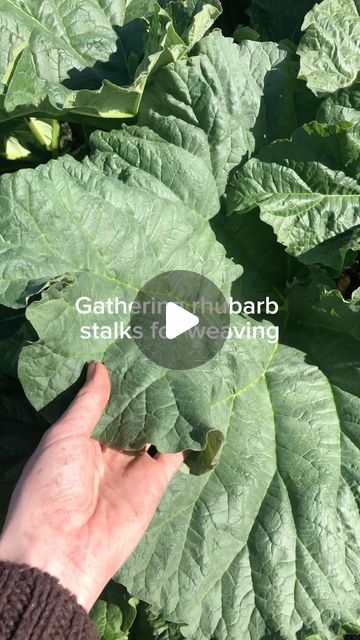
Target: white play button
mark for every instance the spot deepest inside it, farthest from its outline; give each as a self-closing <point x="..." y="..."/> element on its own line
<point x="168" y="334"/>
<point x="178" y="320"/>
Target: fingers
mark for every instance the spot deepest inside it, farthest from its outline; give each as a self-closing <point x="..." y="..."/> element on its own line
<point x="170" y="463"/>
<point x="151" y="477"/>
<point x="86" y="410"/>
<point x="155" y="473"/>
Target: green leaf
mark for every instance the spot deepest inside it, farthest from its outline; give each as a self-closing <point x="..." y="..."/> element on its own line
<point x="245" y="33"/>
<point x="145" y="399"/>
<point x="129" y="178"/>
<point x="242" y="97"/>
<point x="145" y="160"/>
<point x="93" y="60"/>
<point x="212" y="113"/>
<point x="267" y="543"/>
<point x="313" y="301"/>
<point x="114" y="613"/>
<point x="101" y="229"/>
<point x="337" y="146"/>
<point x="279" y="19"/>
<point x="306" y="191"/>
<point x="268" y="269"/>
<point x="29" y="139"/>
<point x="330" y="48"/>
<point x="343" y="106"/>
<point x="150" y="625"/>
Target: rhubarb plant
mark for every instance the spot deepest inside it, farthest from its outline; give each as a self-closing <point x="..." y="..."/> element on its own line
<point x="237" y="159"/>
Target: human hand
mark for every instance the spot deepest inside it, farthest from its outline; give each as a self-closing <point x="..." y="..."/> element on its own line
<point x="80" y="508"/>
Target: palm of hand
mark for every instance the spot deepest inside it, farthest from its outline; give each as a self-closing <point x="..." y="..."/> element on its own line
<point x="91" y="504"/>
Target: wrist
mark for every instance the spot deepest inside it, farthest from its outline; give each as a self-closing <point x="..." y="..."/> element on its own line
<point x="36" y="593"/>
<point x="15" y="549"/>
<point x="35" y="553"/>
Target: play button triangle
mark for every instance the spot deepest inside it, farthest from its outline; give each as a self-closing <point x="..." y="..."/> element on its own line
<point x="178" y="320"/>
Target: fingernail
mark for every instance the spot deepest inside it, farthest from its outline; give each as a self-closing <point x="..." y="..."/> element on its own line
<point x="90" y="370"/>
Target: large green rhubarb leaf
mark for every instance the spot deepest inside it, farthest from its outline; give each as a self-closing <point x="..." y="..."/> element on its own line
<point x="267" y="543"/>
<point x="242" y="97"/>
<point x="179" y="171"/>
<point x="307" y="191"/>
<point x="95" y="58"/>
<point x="330" y="48"/>
<point x="107" y="239"/>
<point x="201" y="107"/>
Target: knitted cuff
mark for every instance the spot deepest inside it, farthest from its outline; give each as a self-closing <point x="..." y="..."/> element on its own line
<point x="34" y="606"/>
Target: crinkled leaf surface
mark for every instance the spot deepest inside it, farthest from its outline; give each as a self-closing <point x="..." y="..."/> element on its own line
<point x="267" y="544"/>
<point x="219" y="104"/>
<point x="104" y="213"/>
<point x="307" y="191"/>
<point x="243" y="551"/>
<point x="92" y="58"/>
<point x="343" y="106"/>
<point x="108" y="239"/>
<point x="199" y="113"/>
<point x="330" y="48"/>
<point x="279" y="19"/>
<point x="241" y="96"/>
<point x="335" y="146"/>
<point x="179" y="171"/>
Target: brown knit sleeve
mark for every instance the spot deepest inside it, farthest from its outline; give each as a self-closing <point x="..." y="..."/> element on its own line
<point x="34" y="606"/>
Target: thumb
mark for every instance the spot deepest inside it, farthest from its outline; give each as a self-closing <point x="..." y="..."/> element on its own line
<point x="87" y="408"/>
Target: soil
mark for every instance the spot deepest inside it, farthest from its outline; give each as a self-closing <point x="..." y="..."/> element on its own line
<point x="349" y="281"/>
